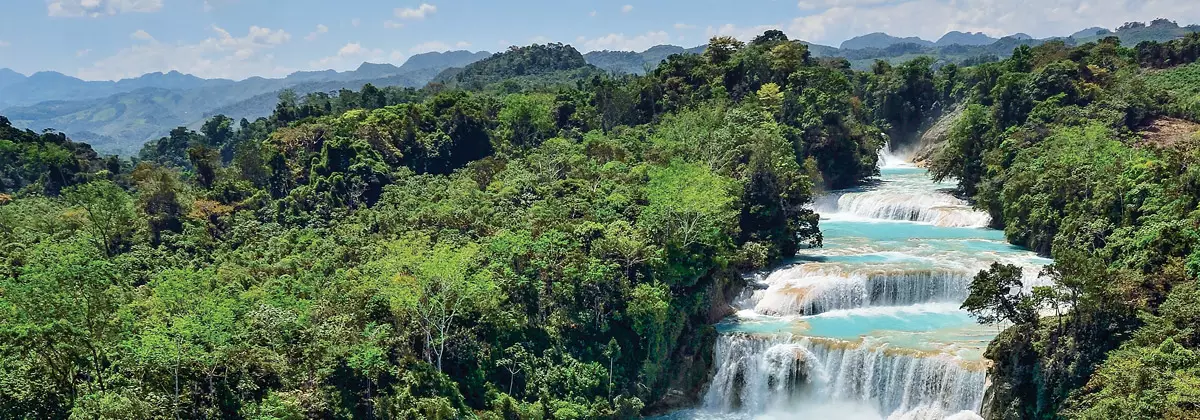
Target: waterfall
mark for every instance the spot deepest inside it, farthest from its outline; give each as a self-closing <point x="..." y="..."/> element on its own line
<point x="811" y="289"/>
<point x="870" y="325"/>
<point x="927" y="207"/>
<point x="893" y="159"/>
<point x="761" y="374"/>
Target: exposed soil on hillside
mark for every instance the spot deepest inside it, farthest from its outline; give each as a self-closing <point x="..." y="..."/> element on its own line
<point x="1167" y="132"/>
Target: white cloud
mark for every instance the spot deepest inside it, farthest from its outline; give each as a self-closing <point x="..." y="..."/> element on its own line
<point x="430" y="46"/>
<point x="503" y="43"/>
<point x="462" y="44"/>
<point x="349" y="57"/>
<point x="355" y="22"/>
<point x="592" y="13"/>
<point x="683" y="26"/>
<point x="744" y="33"/>
<point x="396" y="56"/>
<point x="620" y="42"/>
<point x="420" y="12"/>
<point x="97" y="8"/>
<point x="222" y="55"/>
<point x="4" y="43"/>
<point x="141" y="35"/>
<point x="83" y="52"/>
<point x="826" y="4"/>
<point x="540" y="39"/>
<point x="834" y="21"/>
<point x="391" y="24"/>
<point x="321" y="29"/>
<point x="627" y="8"/>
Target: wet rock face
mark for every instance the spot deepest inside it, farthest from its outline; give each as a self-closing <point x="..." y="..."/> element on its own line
<point x="725" y="290"/>
<point x="934" y="138"/>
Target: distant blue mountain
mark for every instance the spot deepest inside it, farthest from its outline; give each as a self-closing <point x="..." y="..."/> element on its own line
<point x="965" y="38"/>
<point x="881" y="40"/>
<point x="121" y="115"/>
<point x="442" y="60"/>
<point x="629" y="62"/>
<point x="1091" y="32"/>
<point x="9" y="77"/>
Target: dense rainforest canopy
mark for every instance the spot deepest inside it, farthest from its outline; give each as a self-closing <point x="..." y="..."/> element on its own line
<point x="531" y="239"/>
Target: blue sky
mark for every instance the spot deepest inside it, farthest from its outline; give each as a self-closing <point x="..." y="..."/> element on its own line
<point x="113" y="39"/>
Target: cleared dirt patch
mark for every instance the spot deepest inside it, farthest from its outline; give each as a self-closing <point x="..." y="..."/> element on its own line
<point x="1167" y="132"/>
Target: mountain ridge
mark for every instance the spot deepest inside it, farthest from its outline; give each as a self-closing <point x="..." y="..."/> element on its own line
<point x="148" y="106"/>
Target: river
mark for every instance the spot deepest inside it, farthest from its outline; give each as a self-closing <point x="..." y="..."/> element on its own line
<point x="868" y="326"/>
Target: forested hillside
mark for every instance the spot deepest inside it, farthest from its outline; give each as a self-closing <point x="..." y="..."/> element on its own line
<point x="1089" y="155"/>
<point x="554" y="63"/>
<point x="558" y="252"/>
<point x="516" y="243"/>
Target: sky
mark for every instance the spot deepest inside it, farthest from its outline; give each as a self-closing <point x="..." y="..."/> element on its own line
<point x="236" y="39"/>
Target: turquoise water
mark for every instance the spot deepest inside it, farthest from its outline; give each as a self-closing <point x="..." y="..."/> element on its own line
<point x="867" y="326"/>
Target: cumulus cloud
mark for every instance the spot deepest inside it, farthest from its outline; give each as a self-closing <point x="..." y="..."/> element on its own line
<point x="141" y="35"/>
<point x="627" y="8"/>
<point x="417" y="13"/>
<point x="391" y="24"/>
<point x="349" y="57"/>
<point x="620" y="42"/>
<point x="833" y="21"/>
<point x="462" y="44"/>
<point x="321" y="29"/>
<point x="826" y="4"/>
<point x="222" y="55"/>
<point x="97" y="8"/>
<point x="744" y="33"/>
<point x="430" y="46"/>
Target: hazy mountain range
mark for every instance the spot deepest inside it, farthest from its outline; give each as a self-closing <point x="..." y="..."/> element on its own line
<point x="118" y="117"/>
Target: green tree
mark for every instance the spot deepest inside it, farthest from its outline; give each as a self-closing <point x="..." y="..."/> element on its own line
<point x="962" y="159"/>
<point x="109" y="212"/>
<point x="688" y="205"/>
<point x="437" y="286"/>
<point x="996" y="296"/>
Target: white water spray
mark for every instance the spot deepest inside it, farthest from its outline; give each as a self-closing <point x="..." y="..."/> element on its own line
<point x="763" y="374"/>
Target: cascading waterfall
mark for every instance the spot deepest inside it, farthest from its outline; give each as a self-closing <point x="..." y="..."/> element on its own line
<point x="938" y="209"/>
<point x="812" y="289"/>
<point x="764" y="374"/>
<point x="869" y="326"/>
